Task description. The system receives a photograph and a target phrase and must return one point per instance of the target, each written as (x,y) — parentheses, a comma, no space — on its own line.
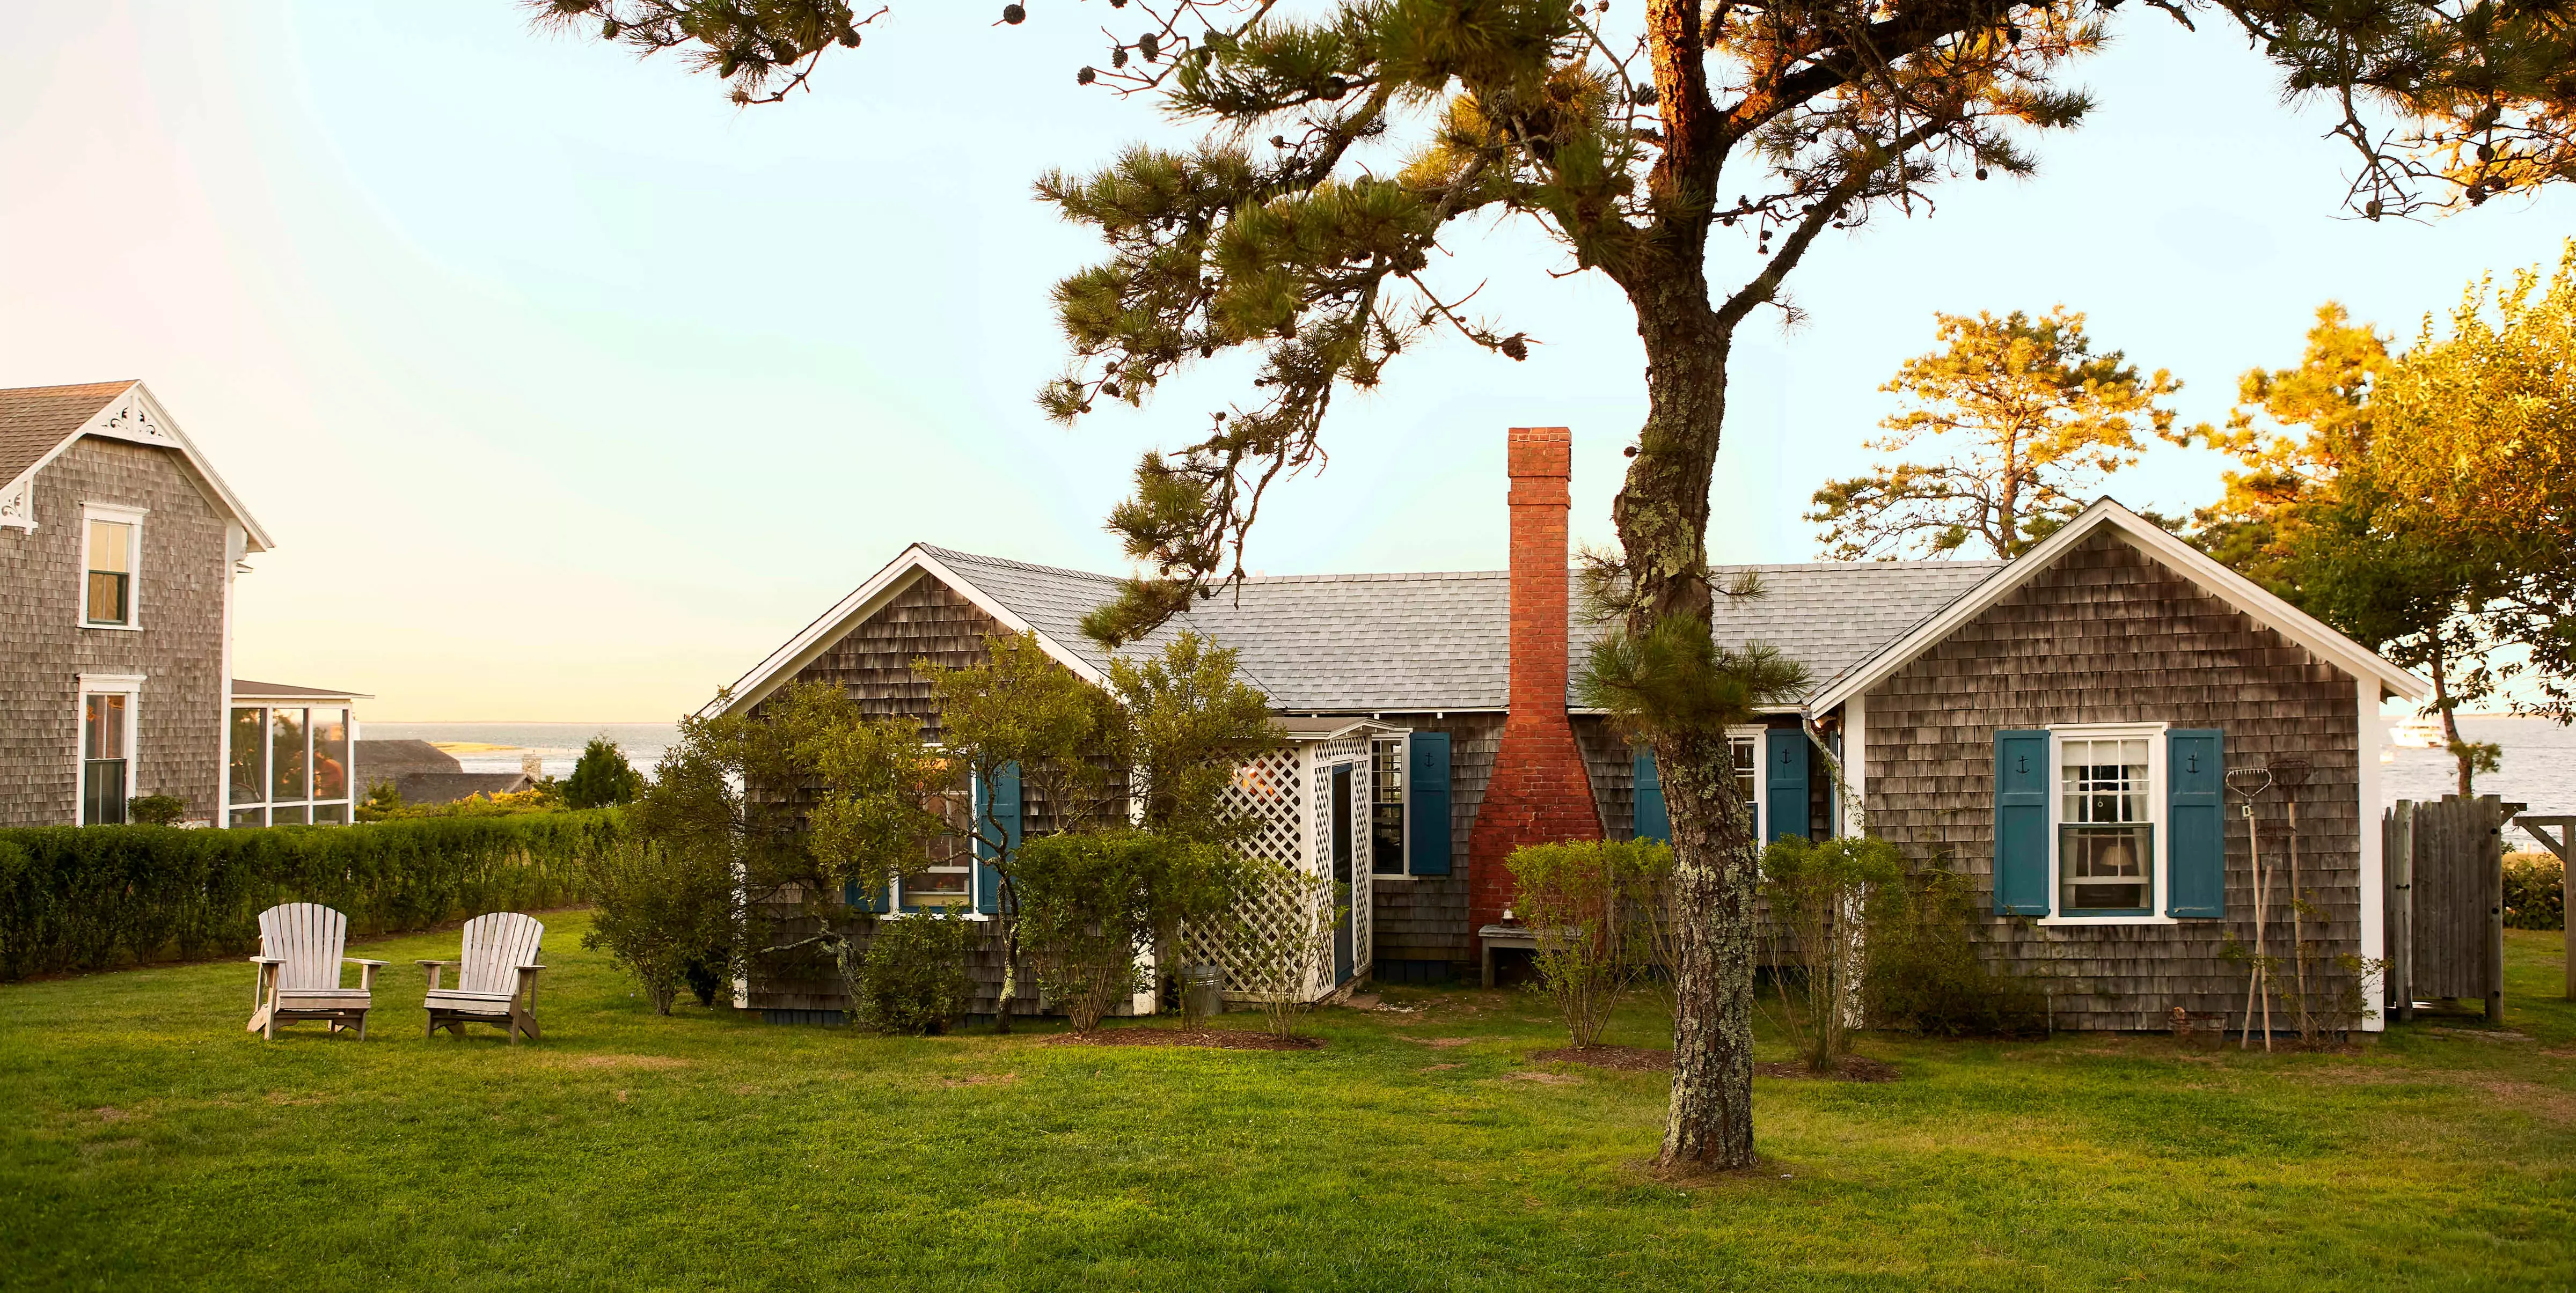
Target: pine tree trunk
(1662,518)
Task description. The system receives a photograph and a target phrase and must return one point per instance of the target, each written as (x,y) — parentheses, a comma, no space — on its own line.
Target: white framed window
(2108,852)
(1745,745)
(111,565)
(1388,804)
(947,877)
(287,766)
(109,730)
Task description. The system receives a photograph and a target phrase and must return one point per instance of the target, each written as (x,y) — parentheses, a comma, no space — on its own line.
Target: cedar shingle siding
(2110,635)
(873,663)
(179,601)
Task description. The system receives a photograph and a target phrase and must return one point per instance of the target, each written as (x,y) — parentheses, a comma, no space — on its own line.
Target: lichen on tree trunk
(1662,518)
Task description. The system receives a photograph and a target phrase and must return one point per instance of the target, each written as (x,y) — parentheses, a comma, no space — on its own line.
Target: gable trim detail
(2246,596)
(832,625)
(135,417)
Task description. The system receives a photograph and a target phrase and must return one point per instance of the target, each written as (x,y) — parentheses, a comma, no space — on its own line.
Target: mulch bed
(1637,1059)
(1223,1039)
(1629,1059)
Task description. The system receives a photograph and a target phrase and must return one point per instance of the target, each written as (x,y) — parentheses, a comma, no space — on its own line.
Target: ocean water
(558,744)
(2539,768)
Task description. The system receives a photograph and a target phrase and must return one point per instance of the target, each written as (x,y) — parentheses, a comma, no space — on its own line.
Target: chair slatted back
(496,945)
(309,938)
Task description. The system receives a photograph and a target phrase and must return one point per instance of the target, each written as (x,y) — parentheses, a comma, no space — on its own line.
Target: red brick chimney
(1539,792)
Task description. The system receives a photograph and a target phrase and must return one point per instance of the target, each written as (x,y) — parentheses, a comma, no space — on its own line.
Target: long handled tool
(2251,783)
(2289,775)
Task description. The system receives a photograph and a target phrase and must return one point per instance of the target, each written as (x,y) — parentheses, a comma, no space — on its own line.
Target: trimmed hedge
(93,897)
(2533,896)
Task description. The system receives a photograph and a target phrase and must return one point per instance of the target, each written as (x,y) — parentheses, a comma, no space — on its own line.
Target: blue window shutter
(874,903)
(1653,823)
(2021,823)
(1785,784)
(2196,823)
(1426,821)
(1005,809)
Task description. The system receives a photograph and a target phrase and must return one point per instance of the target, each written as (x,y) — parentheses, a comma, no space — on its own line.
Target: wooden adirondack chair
(496,982)
(300,946)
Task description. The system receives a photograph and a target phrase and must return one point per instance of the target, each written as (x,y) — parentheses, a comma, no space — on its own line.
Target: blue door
(1344,953)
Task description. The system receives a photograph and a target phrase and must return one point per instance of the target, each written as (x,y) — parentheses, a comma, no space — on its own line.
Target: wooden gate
(2445,878)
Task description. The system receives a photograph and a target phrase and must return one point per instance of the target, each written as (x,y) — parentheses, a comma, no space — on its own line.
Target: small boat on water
(2418,734)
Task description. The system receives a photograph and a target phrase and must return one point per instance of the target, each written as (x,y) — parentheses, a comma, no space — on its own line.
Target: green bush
(92,897)
(1592,906)
(1087,903)
(603,778)
(1818,894)
(155,810)
(1924,973)
(666,913)
(913,978)
(2535,896)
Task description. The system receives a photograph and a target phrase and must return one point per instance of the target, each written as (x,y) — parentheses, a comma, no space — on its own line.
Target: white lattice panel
(1272,791)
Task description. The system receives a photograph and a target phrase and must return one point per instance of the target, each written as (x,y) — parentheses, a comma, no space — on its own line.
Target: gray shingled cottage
(118,548)
(2057,726)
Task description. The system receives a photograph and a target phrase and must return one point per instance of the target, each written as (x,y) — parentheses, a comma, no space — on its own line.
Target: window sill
(952,909)
(2108,920)
(113,628)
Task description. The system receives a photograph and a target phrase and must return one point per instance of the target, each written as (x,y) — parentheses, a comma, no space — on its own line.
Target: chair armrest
(449,964)
(360,960)
(268,960)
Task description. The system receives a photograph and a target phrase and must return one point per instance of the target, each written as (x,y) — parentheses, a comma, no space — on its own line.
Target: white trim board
(2183,559)
(882,587)
(136,417)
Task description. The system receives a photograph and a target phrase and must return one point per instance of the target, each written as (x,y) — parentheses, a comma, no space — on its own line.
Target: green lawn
(148,1142)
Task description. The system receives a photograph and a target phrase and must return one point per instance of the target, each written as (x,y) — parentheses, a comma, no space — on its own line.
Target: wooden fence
(2445,908)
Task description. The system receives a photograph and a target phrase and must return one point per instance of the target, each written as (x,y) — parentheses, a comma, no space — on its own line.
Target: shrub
(1275,938)
(155,810)
(913,979)
(1819,894)
(1592,907)
(603,778)
(663,908)
(1086,902)
(89,897)
(2535,894)
(1924,973)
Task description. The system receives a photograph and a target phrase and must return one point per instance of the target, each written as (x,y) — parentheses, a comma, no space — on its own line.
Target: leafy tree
(2043,420)
(2477,443)
(602,777)
(664,906)
(1346,141)
(2416,501)
(1190,722)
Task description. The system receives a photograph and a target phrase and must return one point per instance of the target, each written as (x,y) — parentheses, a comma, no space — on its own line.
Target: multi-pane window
(289,766)
(1386,807)
(2106,833)
(103,757)
(108,595)
(1748,763)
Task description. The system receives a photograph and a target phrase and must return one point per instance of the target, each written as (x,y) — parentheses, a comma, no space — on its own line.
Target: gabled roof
(1389,643)
(2183,559)
(37,423)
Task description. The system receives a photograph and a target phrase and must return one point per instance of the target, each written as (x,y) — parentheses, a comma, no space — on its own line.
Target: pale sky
(568,391)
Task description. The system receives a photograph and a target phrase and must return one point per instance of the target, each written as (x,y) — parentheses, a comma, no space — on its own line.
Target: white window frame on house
(2159,790)
(264,808)
(1739,738)
(132,517)
(1404,790)
(128,685)
(969,907)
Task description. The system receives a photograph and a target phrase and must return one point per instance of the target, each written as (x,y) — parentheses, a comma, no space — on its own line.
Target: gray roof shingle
(1440,641)
(33,419)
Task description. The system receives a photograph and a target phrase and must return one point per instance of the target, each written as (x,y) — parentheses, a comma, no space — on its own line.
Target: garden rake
(2249,784)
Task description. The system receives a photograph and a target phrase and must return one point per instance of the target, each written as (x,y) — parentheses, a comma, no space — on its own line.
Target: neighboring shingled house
(2107,677)
(119,545)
